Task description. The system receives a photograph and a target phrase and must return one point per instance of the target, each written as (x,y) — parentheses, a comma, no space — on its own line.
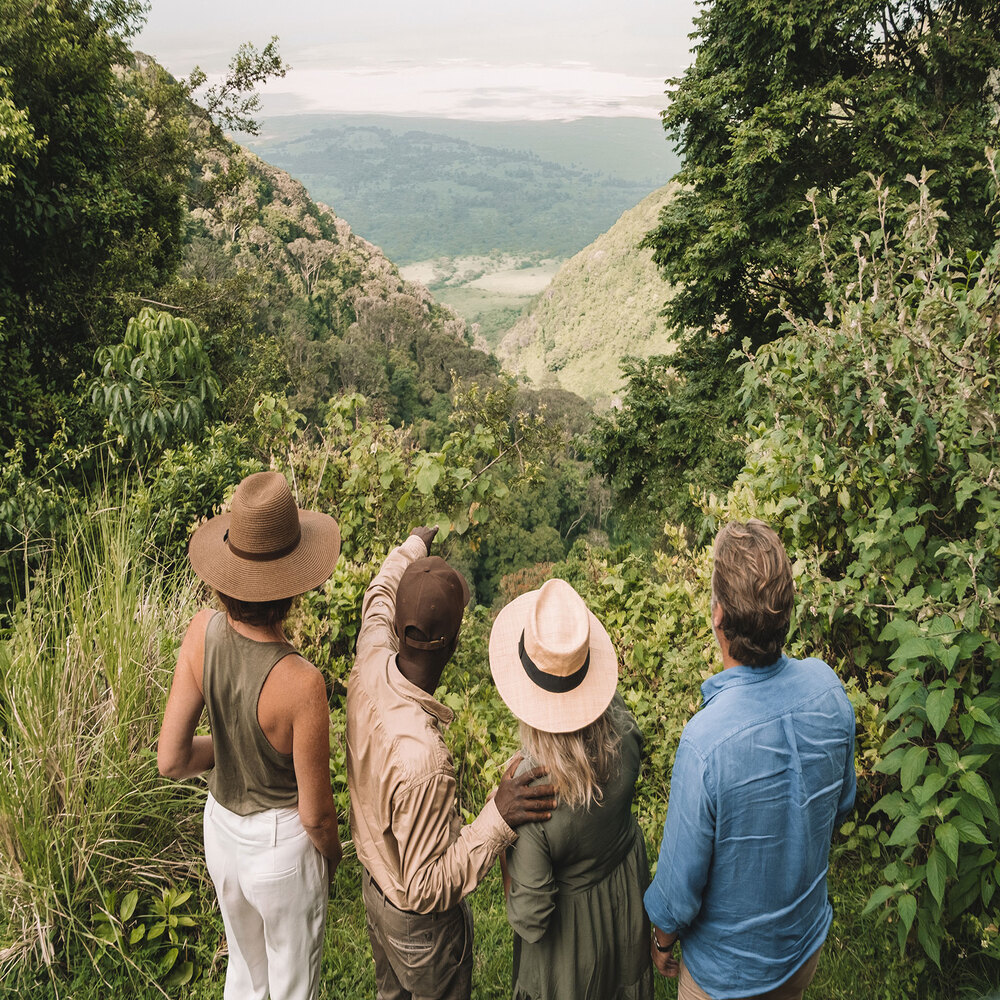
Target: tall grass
(83,673)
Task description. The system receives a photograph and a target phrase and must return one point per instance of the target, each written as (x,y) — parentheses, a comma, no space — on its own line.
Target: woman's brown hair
(264,614)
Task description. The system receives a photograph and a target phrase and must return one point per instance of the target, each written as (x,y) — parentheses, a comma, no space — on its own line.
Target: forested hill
(604,304)
(327,310)
(426,188)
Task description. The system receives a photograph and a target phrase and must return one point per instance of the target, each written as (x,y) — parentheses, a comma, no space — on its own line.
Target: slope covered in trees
(603,305)
(334,316)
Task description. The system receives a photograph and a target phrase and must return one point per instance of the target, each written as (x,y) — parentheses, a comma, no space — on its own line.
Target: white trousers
(272,887)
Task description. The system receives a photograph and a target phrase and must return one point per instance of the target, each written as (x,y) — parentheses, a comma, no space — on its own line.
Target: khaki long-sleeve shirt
(404,821)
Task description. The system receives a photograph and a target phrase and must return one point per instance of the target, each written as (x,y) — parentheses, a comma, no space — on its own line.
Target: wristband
(663,948)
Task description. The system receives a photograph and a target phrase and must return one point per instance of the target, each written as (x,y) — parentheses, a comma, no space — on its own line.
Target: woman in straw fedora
(271,840)
(574,885)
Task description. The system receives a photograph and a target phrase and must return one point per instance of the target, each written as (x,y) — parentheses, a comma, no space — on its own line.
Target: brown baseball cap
(430,602)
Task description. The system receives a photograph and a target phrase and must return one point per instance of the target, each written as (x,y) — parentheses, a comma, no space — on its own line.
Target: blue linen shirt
(762,774)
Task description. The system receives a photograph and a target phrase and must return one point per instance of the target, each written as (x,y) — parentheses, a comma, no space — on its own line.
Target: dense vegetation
(272,336)
(783,99)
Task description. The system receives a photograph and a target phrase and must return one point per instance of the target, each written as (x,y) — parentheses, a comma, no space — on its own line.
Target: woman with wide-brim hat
(271,838)
(574,884)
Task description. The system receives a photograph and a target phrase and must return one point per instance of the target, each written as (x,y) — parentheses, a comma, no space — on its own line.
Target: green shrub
(157,386)
(876,456)
(189,483)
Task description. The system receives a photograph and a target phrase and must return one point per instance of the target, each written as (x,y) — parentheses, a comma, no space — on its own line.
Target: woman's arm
(311,757)
(532,891)
(179,753)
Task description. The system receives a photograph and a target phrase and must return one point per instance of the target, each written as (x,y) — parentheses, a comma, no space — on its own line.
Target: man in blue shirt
(763,774)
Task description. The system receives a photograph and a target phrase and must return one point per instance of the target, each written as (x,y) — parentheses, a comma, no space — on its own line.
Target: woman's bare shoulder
(297,679)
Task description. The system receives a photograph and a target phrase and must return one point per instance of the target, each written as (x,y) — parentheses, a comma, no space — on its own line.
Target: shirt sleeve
(378,610)
(437,869)
(532,883)
(673,899)
(850,787)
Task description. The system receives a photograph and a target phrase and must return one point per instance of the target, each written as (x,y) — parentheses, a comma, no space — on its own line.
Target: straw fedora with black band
(552,660)
(265,548)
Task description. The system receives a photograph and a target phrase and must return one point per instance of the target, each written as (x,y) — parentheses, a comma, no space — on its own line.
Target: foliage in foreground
(83,812)
(875,451)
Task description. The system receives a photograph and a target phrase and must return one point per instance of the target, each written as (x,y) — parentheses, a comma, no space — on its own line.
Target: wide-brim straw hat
(552,660)
(265,548)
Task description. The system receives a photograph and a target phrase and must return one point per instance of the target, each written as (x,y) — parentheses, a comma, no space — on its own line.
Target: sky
(519,60)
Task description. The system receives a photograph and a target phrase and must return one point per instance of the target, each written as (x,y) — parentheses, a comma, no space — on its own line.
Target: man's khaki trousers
(418,956)
(792,989)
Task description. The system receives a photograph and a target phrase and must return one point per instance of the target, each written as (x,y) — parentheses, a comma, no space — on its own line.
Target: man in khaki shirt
(420,860)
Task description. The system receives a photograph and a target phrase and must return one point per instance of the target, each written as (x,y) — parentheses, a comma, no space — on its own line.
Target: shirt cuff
(414,546)
(658,912)
(495,831)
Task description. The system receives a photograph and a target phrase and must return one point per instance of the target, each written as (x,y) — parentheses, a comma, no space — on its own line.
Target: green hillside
(602,305)
(297,303)
(420,190)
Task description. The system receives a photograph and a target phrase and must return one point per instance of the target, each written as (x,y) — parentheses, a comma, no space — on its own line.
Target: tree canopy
(88,212)
(784,98)
(96,150)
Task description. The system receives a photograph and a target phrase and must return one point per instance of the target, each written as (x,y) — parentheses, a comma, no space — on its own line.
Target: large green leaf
(907,906)
(937,871)
(912,767)
(947,836)
(906,831)
(938,707)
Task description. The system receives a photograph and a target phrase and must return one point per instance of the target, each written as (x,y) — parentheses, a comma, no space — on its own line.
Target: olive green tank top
(249,775)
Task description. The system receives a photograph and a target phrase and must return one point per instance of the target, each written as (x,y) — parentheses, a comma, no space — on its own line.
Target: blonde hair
(580,764)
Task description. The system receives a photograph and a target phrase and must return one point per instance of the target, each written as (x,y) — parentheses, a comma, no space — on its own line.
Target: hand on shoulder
(519,801)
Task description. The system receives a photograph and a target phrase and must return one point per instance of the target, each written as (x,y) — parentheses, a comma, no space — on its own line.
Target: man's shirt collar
(738,676)
(407,689)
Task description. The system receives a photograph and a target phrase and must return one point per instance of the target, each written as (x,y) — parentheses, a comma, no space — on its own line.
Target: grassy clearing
(494,312)
(490,290)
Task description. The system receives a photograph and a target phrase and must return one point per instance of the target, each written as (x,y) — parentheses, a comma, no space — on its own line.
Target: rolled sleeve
(437,871)
(673,899)
(533,891)
(850,786)
(378,610)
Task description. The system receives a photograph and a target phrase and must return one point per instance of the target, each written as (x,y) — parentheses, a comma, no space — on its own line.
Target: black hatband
(262,556)
(552,682)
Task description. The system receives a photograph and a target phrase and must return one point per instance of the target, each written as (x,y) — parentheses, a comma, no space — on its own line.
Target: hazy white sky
(453,58)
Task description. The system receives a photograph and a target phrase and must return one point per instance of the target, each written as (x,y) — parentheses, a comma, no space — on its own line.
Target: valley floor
(490,291)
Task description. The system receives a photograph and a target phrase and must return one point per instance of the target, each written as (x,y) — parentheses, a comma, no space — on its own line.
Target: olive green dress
(575,904)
